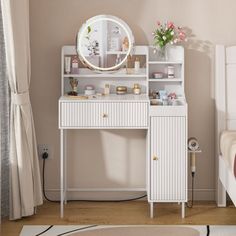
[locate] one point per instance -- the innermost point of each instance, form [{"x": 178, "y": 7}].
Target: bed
[{"x": 225, "y": 100}]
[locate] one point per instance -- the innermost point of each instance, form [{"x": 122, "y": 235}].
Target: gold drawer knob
[
  {"x": 104, "y": 115},
  {"x": 155, "y": 158}
]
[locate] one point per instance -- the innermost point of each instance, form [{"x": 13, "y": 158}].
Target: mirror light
[{"x": 107, "y": 18}]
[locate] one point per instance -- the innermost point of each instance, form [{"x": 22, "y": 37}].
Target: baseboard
[
  {"x": 93, "y": 194},
  {"x": 202, "y": 194}
]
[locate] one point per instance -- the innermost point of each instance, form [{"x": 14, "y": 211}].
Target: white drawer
[{"x": 103, "y": 114}]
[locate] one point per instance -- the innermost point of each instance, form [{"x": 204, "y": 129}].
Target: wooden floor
[{"x": 123, "y": 213}]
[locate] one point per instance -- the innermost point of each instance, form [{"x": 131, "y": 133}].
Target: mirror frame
[{"x": 92, "y": 20}]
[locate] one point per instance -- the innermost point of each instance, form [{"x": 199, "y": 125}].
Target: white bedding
[{"x": 228, "y": 149}]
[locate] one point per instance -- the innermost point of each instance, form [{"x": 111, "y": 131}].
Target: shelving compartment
[
  {"x": 163, "y": 68},
  {"x": 98, "y": 80}
]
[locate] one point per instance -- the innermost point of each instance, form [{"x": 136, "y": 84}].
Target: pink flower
[
  {"x": 158, "y": 23},
  {"x": 182, "y": 35},
  {"x": 170, "y": 25}
]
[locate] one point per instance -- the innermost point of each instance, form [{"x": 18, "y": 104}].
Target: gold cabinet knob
[
  {"x": 104, "y": 115},
  {"x": 155, "y": 158}
]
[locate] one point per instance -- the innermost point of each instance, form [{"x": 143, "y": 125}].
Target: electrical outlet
[{"x": 44, "y": 148}]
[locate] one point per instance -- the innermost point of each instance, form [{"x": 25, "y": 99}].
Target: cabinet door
[{"x": 168, "y": 159}]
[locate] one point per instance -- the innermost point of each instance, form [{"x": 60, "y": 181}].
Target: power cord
[
  {"x": 191, "y": 205},
  {"x": 45, "y": 156}
]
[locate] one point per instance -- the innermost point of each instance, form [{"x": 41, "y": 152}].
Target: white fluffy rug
[{"x": 127, "y": 230}]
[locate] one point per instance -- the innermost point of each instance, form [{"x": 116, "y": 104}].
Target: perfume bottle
[{"x": 136, "y": 89}]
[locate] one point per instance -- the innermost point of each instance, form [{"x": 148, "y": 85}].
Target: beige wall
[{"x": 117, "y": 157}]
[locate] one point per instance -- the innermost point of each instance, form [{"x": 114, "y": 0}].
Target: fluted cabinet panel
[{"x": 168, "y": 159}]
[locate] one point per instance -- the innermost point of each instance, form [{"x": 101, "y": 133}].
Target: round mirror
[{"x": 104, "y": 43}]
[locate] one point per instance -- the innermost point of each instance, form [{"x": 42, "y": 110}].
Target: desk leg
[
  {"x": 62, "y": 171},
  {"x": 183, "y": 210},
  {"x": 65, "y": 166},
  {"x": 151, "y": 209}
]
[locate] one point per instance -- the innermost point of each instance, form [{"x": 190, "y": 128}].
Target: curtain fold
[
  {"x": 25, "y": 183},
  {"x": 4, "y": 127}
]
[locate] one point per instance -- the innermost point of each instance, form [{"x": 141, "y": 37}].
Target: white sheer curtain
[{"x": 25, "y": 184}]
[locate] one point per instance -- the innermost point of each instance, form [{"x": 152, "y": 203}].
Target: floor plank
[{"x": 123, "y": 213}]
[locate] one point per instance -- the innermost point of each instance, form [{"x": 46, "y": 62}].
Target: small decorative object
[
  {"x": 107, "y": 89},
  {"x": 165, "y": 100},
  {"x": 75, "y": 65},
  {"x": 172, "y": 96},
  {"x": 162, "y": 93},
  {"x": 89, "y": 90},
  {"x": 153, "y": 94},
  {"x": 170, "y": 72},
  {"x": 136, "y": 65},
  {"x": 125, "y": 44},
  {"x": 121, "y": 90},
  {"x": 136, "y": 89},
  {"x": 129, "y": 65},
  {"x": 157, "y": 75},
  {"x": 165, "y": 34},
  {"x": 74, "y": 86},
  {"x": 67, "y": 64}
]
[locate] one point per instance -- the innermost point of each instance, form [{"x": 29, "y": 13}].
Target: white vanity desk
[
  {"x": 165, "y": 119},
  {"x": 166, "y": 154}
]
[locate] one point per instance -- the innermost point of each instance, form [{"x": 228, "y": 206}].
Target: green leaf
[{"x": 89, "y": 29}]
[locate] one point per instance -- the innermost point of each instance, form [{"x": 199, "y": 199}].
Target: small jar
[
  {"x": 136, "y": 89},
  {"x": 121, "y": 90},
  {"x": 170, "y": 72}
]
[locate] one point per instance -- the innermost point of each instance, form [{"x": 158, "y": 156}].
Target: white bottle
[
  {"x": 67, "y": 65},
  {"x": 136, "y": 65},
  {"x": 107, "y": 89}
]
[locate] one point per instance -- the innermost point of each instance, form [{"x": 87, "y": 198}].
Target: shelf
[
  {"x": 165, "y": 80},
  {"x": 164, "y": 62},
  {"x": 118, "y": 75},
  {"x": 86, "y": 73},
  {"x": 111, "y": 97}
]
